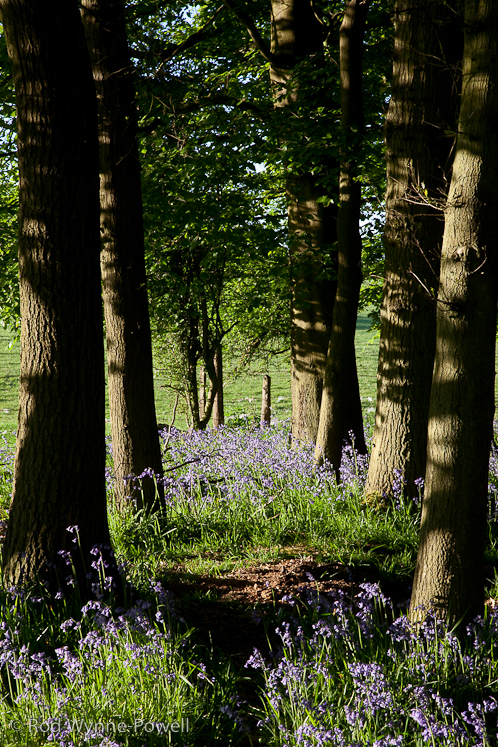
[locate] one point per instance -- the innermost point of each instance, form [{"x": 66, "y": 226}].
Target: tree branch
[
  {"x": 191, "y": 41},
  {"x": 262, "y": 46},
  {"x": 195, "y": 105},
  {"x": 216, "y": 100}
]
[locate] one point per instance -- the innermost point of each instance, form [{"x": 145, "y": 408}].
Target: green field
[{"x": 242, "y": 396}]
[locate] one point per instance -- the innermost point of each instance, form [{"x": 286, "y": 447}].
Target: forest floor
[
  {"x": 266, "y": 607},
  {"x": 228, "y": 609}
]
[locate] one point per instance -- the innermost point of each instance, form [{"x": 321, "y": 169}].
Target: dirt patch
[{"x": 230, "y": 608}]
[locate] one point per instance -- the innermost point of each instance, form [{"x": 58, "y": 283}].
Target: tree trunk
[
  {"x": 421, "y": 112},
  {"x": 341, "y": 406},
  {"x": 60, "y": 452},
  {"x": 218, "y": 406},
  {"x": 449, "y": 576},
  {"x": 135, "y": 440},
  {"x": 296, "y": 33}
]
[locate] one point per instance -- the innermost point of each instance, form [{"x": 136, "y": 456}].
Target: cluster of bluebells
[
  {"x": 354, "y": 466},
  {"x": 226, "y": 463},
  {"x": 66, "y": 695},
  {"x": 6, "y": 456},
  {"x": 6, "y": 472},
  {"x": 352, "y": 680}
]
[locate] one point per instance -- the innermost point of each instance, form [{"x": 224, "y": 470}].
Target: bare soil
[{"x": 229, "y": 608}]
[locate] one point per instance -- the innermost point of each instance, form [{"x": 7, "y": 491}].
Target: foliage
[
  {"x": 214, "y": 224},
  {"x": 9, "y": 290}
]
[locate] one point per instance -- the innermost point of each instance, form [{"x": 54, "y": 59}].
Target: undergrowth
[{"x": 347, "y": 672}]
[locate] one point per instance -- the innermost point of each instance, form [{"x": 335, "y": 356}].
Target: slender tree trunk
[
  {"x": 449, "y": 575},
  {"x": 135, "y": 440},
  {"x": 218, "y": 406},
  {"x": 341, "y": 406},
  {"x": 60, "y": 453},
  {"x": 296, "y": 33},
  {"x": 421, "y": 112},
  {"x": 192, "y": 346}
]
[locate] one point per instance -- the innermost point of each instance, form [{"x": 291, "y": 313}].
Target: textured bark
[
  {"x": 341, "y": 407},
  {"x": 296, "y": 33},
  {"x": 218, "y": 405},
  {"x": 449, "y": 574},
  {"x": 421, "y": 112},
  {"x": 135, "y": 440},
  {"x": 60, "y": 452}
]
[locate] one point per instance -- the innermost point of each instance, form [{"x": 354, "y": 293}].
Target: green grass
[
  {"x": 207, "y": 535},
  {"x": 334, "y": 664},
  {"x": 242, "y": 396},
  {"x": 9, "y": 382}
]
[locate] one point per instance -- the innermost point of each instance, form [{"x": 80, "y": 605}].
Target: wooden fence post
[
  {"x": 202, "y": 393},
  {"x": 266, "y": 401}
]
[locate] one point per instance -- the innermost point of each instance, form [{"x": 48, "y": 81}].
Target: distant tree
[
  {"x": 135, "y": 441},
  {"x": 210, "y": 273},
  {"x": 298, "y": 37},
  {"x": 419, "y": 139},
  {"x": 340, "y": 411},
  {"x": 216, "y": 253},
  {"x": 60, "y": 452},
  {"x": 449, "y": 576},
  {"x": 306, "y": 92}
]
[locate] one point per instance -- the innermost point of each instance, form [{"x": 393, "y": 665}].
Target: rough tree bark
[
  {"x": 296, "y": 33},
  {"x": 422, "y": 110},
  {"x": 135, "y": 440},
  {"x": 341, "y": 407},
  {"x": 60, "y": 451},
  {"x": 449, "y": 575}
]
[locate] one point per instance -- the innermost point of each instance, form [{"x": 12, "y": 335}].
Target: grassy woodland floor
[{"x": 264, "y": 607}]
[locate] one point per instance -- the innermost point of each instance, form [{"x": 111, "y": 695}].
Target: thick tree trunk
[
  {"x": 312, "y": 303},
  {"x": 135, "y": 439},
  {"x": 421, "y": 112},
  {"x": 341, "y": 406},
  {"x": 218, "y": 405},
  {"x": 296, "y": 33},
  {"x": 449, "y": 575},
  {"x": 60, "y": 454}
]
